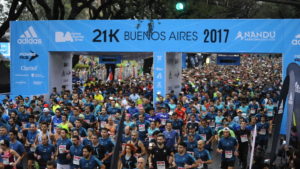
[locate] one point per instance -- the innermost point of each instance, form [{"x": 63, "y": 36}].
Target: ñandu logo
[{"x": 256, "y": 36}]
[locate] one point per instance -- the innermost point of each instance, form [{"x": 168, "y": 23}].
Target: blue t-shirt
[
  {"x": 163, "y": 117},
  {"x": 142, "y": 129},
  {"x": 181, "y": 160},
  {"x": 73, "y": 118},
  {"x": 170, "y": 137},
  {"x": 204, "y": 155},
  {"x": 89, "y": 118},
  {"x": 107, "y": 143},
  {"x": 132, "y": 110},
  {"x": 191, "y": 145},
  {"x": 4, "y": 137},
  {"x": 76, "y": 151},
  {"x": 45, "y": 118},
  {"x": 152, "y": 118},
  {"x": 92, "y": 163},
  {"x": 228, "y": 145},
  {"x": 31, "y": 136},
  {"x": 23, "y": 117},
  {"x": 62, "y": 145},
  {"x": 18, "y": 147},
  {"x": 45, "y": 151},
  {"x": 205, "y": 132},
  {"x": 86, "y": 141},
  {"x": 56, "y": 121}
]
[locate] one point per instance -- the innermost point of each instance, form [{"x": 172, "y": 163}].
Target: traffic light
[{"x": 180, "y": 6}]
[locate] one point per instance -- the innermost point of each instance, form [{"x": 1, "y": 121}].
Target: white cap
[
  {"x": 46, "y": 110},
  {"x": 158, "y": 93},
  {"x": 111, "y": 98}
]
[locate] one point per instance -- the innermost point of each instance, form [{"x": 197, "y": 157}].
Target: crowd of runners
[{"x": 215, "y": 113}]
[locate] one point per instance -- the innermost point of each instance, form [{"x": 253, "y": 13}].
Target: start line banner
[{"x": 33, "y": 41}]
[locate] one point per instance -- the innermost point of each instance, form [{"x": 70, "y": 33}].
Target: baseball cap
[
  {"x": 46, "y": 110},
  {"x": 81, "y": 116},
  {"x": 226, "y": 129}
]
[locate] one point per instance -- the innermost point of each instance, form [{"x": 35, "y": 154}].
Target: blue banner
[{"x": 31, "y": 42}]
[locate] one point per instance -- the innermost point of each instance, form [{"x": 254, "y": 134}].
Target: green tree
[{"x": 143, "y": 9}]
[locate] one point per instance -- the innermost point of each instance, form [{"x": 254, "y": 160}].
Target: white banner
[{"x": 173, "y": 72}]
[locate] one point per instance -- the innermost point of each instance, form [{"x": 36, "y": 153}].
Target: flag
[
  {"x": 110, "y": 75},
  {"x": 120, "y": 73}
]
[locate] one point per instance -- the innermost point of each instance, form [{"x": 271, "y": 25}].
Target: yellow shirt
[
  {"x": 55, "y": 107},
  {"x": 99, "y": 97}
]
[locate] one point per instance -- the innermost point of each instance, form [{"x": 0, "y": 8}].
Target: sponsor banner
[
  {"x": 159, "y": 74},
  {"x": 31, "y": 42}
]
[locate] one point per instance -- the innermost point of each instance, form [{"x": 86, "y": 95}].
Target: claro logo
[{"x": 29, "y": 37}]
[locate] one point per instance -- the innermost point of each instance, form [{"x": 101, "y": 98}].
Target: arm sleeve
[
  {"x": 99, "y": 163},
  {"x": 208, "y": 155}
]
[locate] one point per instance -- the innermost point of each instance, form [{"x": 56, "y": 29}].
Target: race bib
[
  {"x": 228, "y": 154},
  {"x": 269, "y": 113},
  {"x": 151, "y": 138},
  {"x": 161, "y": 165},
  {"x": 191, "y": 153},
  {"x": 76, "y": 160},
  {"x": 203, "y": 136},
  {"x": 102, "y": 124},
  {"x": 163, "y": 121},
  {"x": 200, "y": 166},
  {"x": 32, "y": 149},
  {"x": 62, "y": 149},
  {"x": 244, "y": 138},
  {"x": 142, "y": 127},
  {"x": 212, "y": 124},
  {"x": 218, "y": 125},
  {"x": 262, "y": 132},
  {"x": 5, "y": 160}
]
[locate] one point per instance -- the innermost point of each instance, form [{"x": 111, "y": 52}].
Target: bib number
[
  {"x": 228, "y": 154},
  {"x": 102, "y": 124},
  {"x": 203, "y": 136},
  {"x": 191, "y": 153},
  {"x": 163, "y": 121},
  {"x": 244, "y": 138},
  {"x": 212, "y": 124},
  {"x": 76, "y": 160},
  {"x": 262, "y": 132},
  {"x": 161, "y": 165},
  {"x": 200, "y": 166},
  {"x": 5, "y": 160},
  {"x": 62, "y": 149},
  {"x": 142, "y": 127}
]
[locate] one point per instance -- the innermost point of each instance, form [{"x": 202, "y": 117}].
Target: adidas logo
[{"x": 29, "y": 37}]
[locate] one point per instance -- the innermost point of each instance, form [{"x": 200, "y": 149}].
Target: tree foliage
[{"x": 143, "y": 9}]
